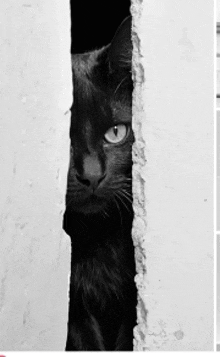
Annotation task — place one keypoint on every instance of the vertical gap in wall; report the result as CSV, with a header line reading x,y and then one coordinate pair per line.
x,y
81,44
139,162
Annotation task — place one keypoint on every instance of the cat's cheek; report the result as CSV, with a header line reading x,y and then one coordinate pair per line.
x,y
119,164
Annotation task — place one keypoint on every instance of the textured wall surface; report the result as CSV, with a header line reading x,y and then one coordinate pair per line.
x,y
218,10
218,172
173,171
218,292
35,87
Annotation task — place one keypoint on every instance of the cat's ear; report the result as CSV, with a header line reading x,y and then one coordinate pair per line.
x,y
120,51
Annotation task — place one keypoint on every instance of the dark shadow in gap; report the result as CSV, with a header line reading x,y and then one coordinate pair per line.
x,y
99,212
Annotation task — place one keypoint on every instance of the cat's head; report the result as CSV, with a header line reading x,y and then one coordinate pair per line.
x,y
99,178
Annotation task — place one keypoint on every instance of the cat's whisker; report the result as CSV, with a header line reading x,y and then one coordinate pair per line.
x,y
105,213
119,85
127,195
120,197
125,190
124,204
69,201
118,207
126,186
82,223
119,185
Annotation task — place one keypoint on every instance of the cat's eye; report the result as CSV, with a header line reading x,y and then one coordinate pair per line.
x,y
116,134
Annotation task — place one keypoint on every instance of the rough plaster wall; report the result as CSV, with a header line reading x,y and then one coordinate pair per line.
x,y
173,173
218,291
35,87
218,172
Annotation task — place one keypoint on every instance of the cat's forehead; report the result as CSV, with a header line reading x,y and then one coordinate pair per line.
x,y
121,112
97,103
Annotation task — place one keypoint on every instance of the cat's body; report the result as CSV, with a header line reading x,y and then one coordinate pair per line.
x,y
98,217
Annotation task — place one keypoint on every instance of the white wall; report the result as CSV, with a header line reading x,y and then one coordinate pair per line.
x,y
218,226
218,172
173,171
218,10
218,290
35,92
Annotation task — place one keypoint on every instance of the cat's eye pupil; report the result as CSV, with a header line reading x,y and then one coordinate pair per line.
x,y
116,134
115,130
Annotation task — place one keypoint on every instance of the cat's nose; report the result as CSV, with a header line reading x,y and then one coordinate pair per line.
x,y
92,174
91,181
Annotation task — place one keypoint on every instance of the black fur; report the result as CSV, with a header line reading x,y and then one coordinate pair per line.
x,y
98,217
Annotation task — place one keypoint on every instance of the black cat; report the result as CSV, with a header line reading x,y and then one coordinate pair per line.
x,y
98,217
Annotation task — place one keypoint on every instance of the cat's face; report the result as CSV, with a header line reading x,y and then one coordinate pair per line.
x,y
99,178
